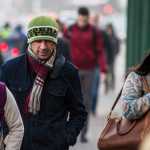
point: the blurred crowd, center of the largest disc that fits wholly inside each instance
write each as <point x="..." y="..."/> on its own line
<point x="74" y="44"/>
<point x="13" y="41"/>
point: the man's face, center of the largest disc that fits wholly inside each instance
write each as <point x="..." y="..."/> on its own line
<point x="43" y="48"/>
<point x="82" y="21"/>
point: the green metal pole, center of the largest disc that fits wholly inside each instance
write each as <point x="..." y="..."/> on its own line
<point x="138" y="30"/>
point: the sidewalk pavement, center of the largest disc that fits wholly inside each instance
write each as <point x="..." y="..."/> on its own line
<point x="97" y="123"/>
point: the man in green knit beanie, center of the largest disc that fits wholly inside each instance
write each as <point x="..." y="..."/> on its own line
<point x="47" y="90"/>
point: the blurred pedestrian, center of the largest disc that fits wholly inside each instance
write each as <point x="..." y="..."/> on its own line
<point x="87" y="51"/>
<point x="5" y="31"/>
<point x="18" y="39"/>
<point x="63" y="46"/>
<point x="108" y="51"/>
<point x="11" y="116"/>
<point x="47" y="90"/>
<point x="115" y="48"/>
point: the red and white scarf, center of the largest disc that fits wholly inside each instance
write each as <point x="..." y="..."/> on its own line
<point x="41" y="68"/>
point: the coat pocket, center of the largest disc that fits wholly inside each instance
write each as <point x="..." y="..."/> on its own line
<point x="55" y="95"/>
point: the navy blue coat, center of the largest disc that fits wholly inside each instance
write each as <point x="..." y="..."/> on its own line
<point x="52" y="128"/>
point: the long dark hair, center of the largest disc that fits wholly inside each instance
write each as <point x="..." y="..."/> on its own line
<point x="143" y="68"/>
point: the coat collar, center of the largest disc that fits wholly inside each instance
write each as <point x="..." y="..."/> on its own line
<point x="58" y="65"/>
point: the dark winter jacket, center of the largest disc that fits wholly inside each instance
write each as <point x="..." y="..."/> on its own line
<point x="63" y="47"/>
<point x="51" y="128"/>
<point x="108" y="48"/>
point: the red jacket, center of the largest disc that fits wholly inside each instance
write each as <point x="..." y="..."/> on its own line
<point x="82" y="47"/>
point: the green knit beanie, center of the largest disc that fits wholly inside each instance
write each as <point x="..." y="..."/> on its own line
<point x="42" y="28"/>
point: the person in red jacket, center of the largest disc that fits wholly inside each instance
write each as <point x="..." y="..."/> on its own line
<point x="87" y="51"/>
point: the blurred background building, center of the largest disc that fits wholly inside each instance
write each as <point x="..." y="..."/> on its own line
<point x="22" y="10"/>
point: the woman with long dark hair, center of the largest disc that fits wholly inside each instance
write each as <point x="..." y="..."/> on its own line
<point x="136" y="102"/>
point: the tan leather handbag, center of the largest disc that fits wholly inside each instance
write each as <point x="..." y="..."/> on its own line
<point x="121" y="134"/>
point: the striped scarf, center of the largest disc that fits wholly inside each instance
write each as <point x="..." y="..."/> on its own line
<point x="41" y="68"/>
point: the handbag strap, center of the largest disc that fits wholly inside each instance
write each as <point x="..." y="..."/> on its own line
<point x="144" y="80"/>
<point x="114" y="104"/>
